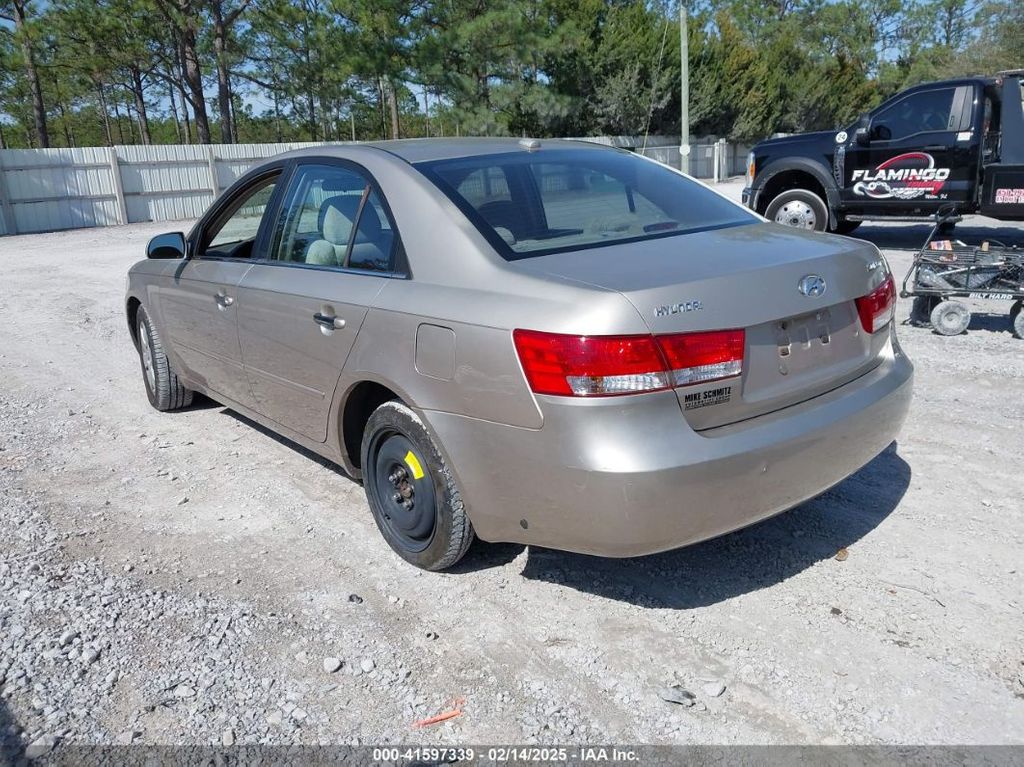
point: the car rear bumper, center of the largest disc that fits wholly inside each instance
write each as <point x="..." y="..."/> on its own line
<point x="630" y="478"/>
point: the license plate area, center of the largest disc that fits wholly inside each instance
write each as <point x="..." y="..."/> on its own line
<point x="804" y="341"/>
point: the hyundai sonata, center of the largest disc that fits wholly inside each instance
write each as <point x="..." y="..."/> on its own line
<point x="543" y="342"/>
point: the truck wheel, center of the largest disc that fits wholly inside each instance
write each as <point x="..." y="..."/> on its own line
<point x="411" y="491"/>
<point x="798" y="208"/>
<point x="846" y="227"/>
<point x="950" y="318"/>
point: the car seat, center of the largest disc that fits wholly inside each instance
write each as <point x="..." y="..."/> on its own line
<point x="372" y="247"/>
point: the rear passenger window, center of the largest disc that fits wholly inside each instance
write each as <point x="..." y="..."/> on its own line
<point x="332" y="217"/>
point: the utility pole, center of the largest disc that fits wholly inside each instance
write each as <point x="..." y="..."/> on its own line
<point x="684" y="93"/>
<point x="352" y="120"/>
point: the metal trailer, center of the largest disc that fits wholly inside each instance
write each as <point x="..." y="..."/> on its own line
<point x="939" y="276"/>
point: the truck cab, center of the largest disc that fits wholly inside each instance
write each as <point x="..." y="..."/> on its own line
<point x="956" y="144"/>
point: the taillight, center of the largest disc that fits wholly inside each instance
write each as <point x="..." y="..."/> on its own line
<point x="876" y="309"/>
<point x="700" y="357"/>
<point x="594" y="366"/>
<point x="585" y="366"/>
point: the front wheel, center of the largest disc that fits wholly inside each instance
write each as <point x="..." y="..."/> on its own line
<point x="411" y="491"/>
<point x="798" y="208"/>
<point x="163" y="387"/>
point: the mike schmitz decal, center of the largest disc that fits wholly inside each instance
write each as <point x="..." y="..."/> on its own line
<point x="904" y="177"/>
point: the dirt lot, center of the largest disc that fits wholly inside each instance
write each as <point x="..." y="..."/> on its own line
<point x="188" y="578"/>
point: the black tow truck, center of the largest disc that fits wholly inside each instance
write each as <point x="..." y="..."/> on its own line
<point x="956" y="144"/>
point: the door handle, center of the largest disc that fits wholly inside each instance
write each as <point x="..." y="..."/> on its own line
<point x="936" y="148"/>
<point x="329" y="321"/>
<point x="223" y="301"/>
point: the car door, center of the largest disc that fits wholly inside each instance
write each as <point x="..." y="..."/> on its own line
<point x="333" y="248"/>
<point x="199" y="305"/>
<point x="917" y="153"/>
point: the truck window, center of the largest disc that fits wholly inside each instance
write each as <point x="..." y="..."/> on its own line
<point x="922" y="112"/>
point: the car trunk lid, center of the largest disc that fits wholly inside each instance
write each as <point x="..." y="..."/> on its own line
<point x="798" y="343"/>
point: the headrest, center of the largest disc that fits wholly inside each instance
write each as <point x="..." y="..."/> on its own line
<point x="338" y="214"/>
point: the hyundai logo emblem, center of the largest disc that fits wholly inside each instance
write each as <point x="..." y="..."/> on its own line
<point x="812" y="285"/>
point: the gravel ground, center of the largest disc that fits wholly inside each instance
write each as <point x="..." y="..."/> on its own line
<point x="189" y="578"/>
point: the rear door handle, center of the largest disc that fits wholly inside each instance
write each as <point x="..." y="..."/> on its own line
<point x="329" y="321"/>
<point x="936" y="148"/>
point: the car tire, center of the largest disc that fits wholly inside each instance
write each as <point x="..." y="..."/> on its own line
<point x="163" y="387"/>
<point x="921" y="310"/>
<point x="800" y="209"/>
<point x="846" y="227"/>
<point x="411" y="490"/>
<point x="950" y="318"/>
<point x="1017" y="320"/>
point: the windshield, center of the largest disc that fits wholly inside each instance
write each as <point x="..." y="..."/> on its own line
<point x="559" y="200"/>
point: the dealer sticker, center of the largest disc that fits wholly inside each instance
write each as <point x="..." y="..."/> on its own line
<point x="709" y="397"/>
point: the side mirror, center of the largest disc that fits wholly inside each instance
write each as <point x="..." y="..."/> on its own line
<point x="169" y="245"/>
<point x="863" y="133"/>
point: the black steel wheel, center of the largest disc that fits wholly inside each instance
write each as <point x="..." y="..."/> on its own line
<point x="950" y="318"/>
<point x="411" y="491"/>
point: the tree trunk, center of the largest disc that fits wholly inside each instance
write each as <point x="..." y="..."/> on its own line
<point x="106" y="113"/>
<point x="69" y="137"/>
<point x="174" y="114"/>
<point x="277" y="118"/>
<point x="380" y="103"/>
<point x="393" y="106"/>
<point x="311" y="105"/>
<point x="140" y="106"/>
<point x="235" y="103"/>
<point x="117" y="121"/>
<point x="193" y="77"/>
<point x="223" y="78"/>
<point x="38" y="108"/>
<point x="426" y="109"/>
<point x="184" y="113"/>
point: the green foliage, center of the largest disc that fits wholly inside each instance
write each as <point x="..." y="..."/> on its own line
<point x="113" y="71"/>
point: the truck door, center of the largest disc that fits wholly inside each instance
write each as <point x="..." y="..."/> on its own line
<point x="920" y="152"/>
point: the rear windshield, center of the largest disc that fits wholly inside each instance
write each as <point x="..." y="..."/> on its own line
<point x="550" y="201"/>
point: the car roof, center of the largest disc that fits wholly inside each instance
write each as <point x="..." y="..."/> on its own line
<point x="416" y="150"/>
